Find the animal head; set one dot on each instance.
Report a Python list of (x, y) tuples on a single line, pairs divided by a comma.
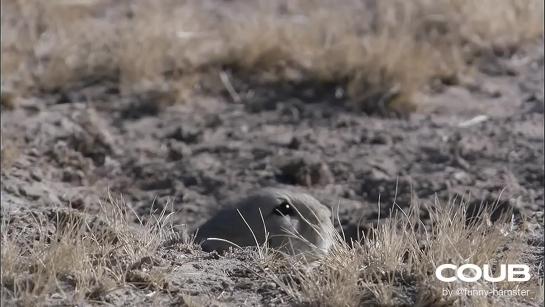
[(291, 222)]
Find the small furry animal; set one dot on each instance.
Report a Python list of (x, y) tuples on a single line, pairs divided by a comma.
[(291, 222)]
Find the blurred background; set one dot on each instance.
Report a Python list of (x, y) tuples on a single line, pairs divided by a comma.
[(366, 50), (198, 101)]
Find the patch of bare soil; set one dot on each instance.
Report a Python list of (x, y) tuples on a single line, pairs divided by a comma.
[(481, 139)]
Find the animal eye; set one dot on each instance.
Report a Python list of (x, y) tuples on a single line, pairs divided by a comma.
[(284, 209)]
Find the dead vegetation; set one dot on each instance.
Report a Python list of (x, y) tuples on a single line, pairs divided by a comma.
[(395, 264), (66, 256), (375, 54)]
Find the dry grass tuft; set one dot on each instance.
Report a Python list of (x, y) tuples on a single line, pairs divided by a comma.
[(396, 264), (378, 54), (67, 255), (64, 255)]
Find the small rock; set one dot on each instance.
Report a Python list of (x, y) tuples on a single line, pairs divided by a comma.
[(186, 134), (77, 204), (283, 139), (73, 176), (491, 90), (178, 150), (303, 171), (269, 285), (30, 191), (244, 283), (462, 177), (295, 143), (213, 121), (36, 174), (224, 285)]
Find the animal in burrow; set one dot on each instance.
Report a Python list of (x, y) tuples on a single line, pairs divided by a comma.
[(291, 222)]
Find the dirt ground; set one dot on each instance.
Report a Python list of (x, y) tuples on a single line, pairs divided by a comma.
[(481, 139)]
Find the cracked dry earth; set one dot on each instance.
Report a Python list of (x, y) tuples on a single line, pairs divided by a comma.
[(483, 137)]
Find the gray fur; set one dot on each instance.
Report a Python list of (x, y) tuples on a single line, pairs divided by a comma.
[(309, 230)]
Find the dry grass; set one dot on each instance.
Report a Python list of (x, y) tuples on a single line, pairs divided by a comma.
[(396, 264), (66, 256), (379, 53), (69, 256)]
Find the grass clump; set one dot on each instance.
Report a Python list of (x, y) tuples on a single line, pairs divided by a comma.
[(63, 255), (395, 264), (75, 257)]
